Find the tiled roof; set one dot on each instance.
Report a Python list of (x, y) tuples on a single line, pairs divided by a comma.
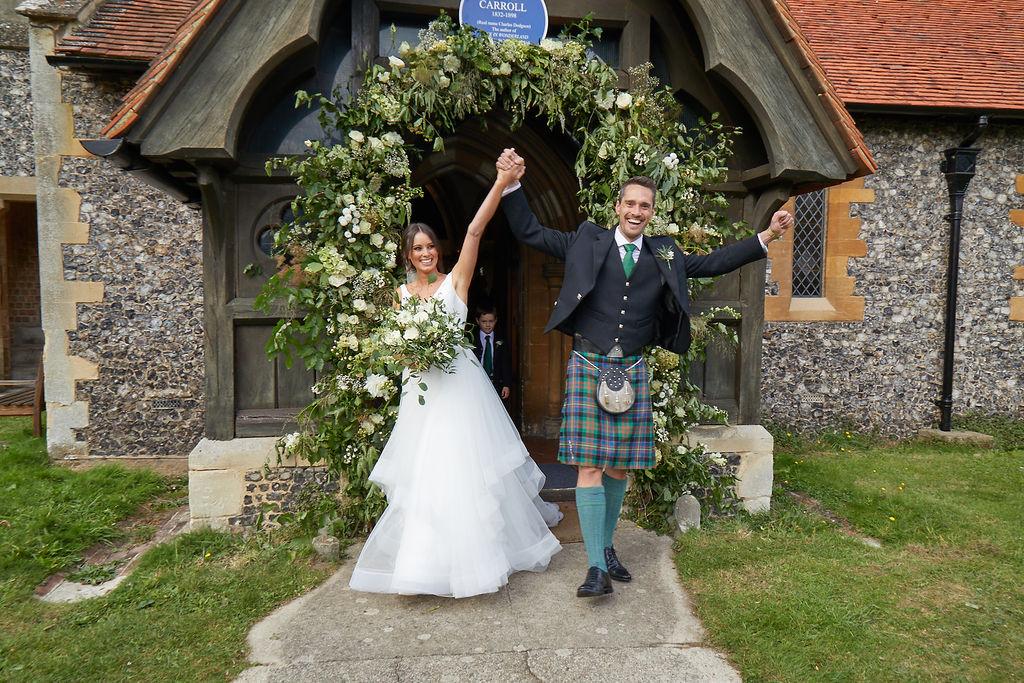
[(128, 30), (162, 66), (827, 95), (964, 54)]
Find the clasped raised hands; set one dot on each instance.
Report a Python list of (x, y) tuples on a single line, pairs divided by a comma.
[(510, 166)]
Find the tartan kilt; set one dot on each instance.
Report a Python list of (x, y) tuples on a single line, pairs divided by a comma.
[(594, 438)]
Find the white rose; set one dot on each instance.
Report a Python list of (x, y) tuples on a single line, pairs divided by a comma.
[(396, 62), (444, 81), (376, 144), (353, 320), (391, 246), (420, 317), (623, 100), (376, 385), (344, 219), (359, 305), (411, 334), (376, 239), (336, 281), (392, 138), (404, 49), (392, 338), (404, 318), (356, 136)]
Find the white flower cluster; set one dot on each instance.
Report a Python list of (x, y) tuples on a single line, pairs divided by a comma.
[(290, 442), (640, 158), (338, 269), (350, 453), (671, 161), (368, 424), (423, 333), (716, 459)]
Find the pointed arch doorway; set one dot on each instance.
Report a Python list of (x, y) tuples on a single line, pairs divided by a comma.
[(522, 283)]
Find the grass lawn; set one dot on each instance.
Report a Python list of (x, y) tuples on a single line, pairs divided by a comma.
[(797, 595), (183, 613)]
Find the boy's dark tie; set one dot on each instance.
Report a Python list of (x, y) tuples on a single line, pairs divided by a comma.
[(488, 360)]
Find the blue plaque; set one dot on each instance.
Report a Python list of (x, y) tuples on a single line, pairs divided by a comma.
[(526, 20)]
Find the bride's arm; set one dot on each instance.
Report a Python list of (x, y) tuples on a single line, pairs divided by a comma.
[(462, 273)]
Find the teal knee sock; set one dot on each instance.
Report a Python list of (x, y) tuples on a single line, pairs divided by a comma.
[(590, 507), (614, 492)]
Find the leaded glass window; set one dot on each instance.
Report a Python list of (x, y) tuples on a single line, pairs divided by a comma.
[(809, 244)]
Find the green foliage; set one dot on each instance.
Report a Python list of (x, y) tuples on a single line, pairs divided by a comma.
[(1008, 430), (338, 268), (315, 511)]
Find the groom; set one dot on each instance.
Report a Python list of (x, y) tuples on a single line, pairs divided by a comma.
[(621, 291)]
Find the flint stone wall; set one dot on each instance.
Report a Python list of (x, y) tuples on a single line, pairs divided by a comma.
[(17, 155), (146, 335), (280, 489), (885, 372)]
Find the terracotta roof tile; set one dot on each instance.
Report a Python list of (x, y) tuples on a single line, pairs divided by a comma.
[(160, 68), (131, 30), (816, 75), (963, 54)]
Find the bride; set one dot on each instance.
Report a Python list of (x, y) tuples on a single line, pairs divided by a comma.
[(464, 510)]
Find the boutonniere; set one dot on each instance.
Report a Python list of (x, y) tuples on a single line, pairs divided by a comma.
[(498, 343), (666, 254)]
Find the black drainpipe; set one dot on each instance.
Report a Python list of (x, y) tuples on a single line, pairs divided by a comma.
[(958, 167)]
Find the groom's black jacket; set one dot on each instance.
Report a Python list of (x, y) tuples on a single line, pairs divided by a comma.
[(656, 308)]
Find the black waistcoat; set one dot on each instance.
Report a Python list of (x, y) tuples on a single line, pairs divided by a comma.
[(617, 311)]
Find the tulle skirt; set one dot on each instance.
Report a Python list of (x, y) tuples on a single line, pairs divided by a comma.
[(464, 510)]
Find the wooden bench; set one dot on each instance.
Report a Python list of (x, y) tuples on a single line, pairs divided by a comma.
[(24, 397)]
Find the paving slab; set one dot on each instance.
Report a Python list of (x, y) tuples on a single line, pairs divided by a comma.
[(533, 629)]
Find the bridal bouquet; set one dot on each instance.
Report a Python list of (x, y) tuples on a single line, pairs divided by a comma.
[(421, 334)]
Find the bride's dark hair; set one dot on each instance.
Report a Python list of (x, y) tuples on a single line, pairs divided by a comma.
[(409, 235)]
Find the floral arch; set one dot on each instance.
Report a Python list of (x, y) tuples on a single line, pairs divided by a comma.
[(339, 258)]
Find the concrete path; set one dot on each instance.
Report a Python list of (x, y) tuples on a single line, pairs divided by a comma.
[(534, 629)]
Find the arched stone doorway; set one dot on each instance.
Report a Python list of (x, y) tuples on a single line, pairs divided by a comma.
[(521, 282)]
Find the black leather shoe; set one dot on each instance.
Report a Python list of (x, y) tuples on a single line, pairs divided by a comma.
[(615, 568), (597, 583)]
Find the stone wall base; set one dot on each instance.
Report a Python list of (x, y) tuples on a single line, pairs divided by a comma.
[(236, 484), (754, 447)]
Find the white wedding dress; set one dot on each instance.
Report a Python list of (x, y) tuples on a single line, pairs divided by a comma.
[(464, 510)]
